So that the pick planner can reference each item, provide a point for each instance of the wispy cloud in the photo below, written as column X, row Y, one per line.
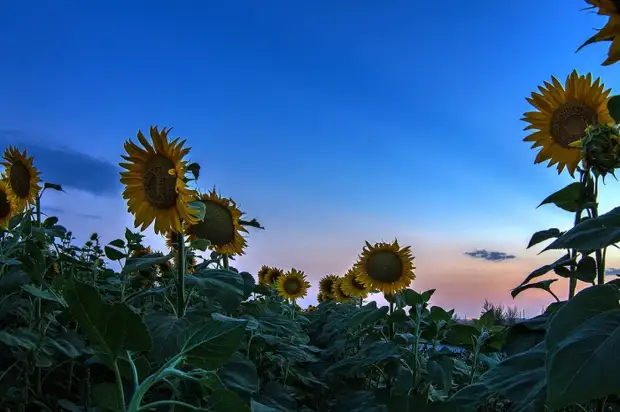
column 612, row 271
column 67, row 167
column 490, row 255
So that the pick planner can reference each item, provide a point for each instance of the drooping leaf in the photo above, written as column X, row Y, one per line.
column 543, row 235
column 53, row 186
column 240, row 376
column 165, row 330
column 223, row 400
column 584, row 271
column 543, row 284
column 613, row 105
column 113, row 253
column 141, row 263
column 44, row 294
column 108, row 398
column 112, row 328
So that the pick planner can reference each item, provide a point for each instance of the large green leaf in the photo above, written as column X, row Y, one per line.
column 591, row 234
column 165, row 330
column 145, row 262
column 586, row 304
column 564, row 260
column 613, row 105
column 240, row 376
column 223, row 400
column 211, row 344
column 584, row 366
column 108, row 398
column 568, row 198
column 112, row 328
column 585, row 270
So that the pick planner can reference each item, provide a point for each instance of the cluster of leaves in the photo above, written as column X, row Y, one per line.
column 78, row 335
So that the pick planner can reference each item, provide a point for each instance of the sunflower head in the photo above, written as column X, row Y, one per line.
column 385, row 266
column 293, row 285
column 339, row 294
column 144, row 251
column 611, row 30
column 173, row 238
column 273, row 276
column 352, row 286
column 562, row 115
column 326, row 284
column 154, row 180
column 262, row 273
column 8, row 208
column 310, row 308
column 220, row 225
column 600, row 148
column 321, row 298
column 21, row 176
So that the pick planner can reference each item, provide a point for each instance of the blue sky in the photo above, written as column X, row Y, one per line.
column 331, row 122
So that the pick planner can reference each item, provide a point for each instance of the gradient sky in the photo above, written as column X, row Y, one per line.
column 331, row 122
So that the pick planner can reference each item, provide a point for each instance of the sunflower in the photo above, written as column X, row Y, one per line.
column 293, row 285
column 386, row 267
column 155, row 188
column 220, row 225
column 325, row 286
column 8, row 209
column 321, row 298
column 141, row 252
column 172, row 239
column 611, row 30
column 273, row 275
column 310, row 308
column 264, row 270
column 352, row 286
column 562, row 115
column 339, row 294
column 22, row 177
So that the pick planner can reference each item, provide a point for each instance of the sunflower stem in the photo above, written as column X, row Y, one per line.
column 38, row 299
column 225, row 262
column 181, row 277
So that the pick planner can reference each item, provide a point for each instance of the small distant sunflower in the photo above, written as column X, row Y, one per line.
column 310, row 308
column 339, row 294
column 386, row 267
column 353, row 287
column 172, row 239
column 325, row 286
column 264, row 270
column 22, row 177
column 220, row 225
column 293, row 285
column 138, row 253
column 611, row 30
column 155, row 188
column 273, row 275
column 190, row 263
column 8, row 208
column 562, row 115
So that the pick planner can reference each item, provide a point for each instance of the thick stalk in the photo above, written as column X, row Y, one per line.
column 38, row 302
column 181, row 276
column 599, row 254
column 225, row 262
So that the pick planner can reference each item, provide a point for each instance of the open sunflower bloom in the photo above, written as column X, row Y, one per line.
column 154, row 181
column 325, row 286
column 562, row 115
column 352, row 286
column 385, row 267
column 8, row 209
column 338, row 292
column 293, row 285
column 21, row 176
column 220, row 226
column 273, row 276
column 262, row 273
column 610, row 32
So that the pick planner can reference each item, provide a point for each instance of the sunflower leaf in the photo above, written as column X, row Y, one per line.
column 199, row 209
column 613, row 105
column 543, row 284
column 252, row 223
column 568, row 198
column 53, row 186
column 543, row 235
column 194, row 168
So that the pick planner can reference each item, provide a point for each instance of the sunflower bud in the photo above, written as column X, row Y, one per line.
column 600, row 148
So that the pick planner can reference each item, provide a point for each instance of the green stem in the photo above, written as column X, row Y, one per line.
column 181, row 276
column 119, row 383
column 134, row 372
column 225, row 262
column 38, row 301
column 599, row 254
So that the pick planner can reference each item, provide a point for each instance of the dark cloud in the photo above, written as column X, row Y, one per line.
column 87, row 216
column 490, row 256
column 612, row 271
column 67, row 167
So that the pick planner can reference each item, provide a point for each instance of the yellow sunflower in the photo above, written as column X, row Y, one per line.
column 562, row 115
column 310, row 308
column 353, row 287
column 155, row 188
column 220, row 226
column 611, row 30
column 321, row 298
column 339, row 294
column 264, row 270
column 273, row 275
column 22, row 177
column 138, row 253
column 293, row 285
column 8, row 209
column 325, row 286
column 386, row 267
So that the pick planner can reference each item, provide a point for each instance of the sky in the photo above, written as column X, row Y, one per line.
column 331, row 122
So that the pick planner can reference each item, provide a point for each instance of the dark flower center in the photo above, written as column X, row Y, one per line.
column 20, row 180
column 569, row 122
column 384, row 266
column 217, row 226
column 158, row 185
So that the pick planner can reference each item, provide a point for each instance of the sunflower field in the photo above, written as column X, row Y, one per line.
column 123, row 328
